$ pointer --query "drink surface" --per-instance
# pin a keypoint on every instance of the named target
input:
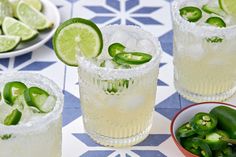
(117, 101)
(35, 131)
(204, 55)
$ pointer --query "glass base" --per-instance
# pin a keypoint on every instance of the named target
(195, 97)
(118, 142)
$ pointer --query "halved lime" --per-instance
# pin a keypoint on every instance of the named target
(11, 26)
(5, 10)
(32, 17)
(77, 35)
(37, 97)
(12, 90)
(8, 43)
(13, 118)
(229, 6)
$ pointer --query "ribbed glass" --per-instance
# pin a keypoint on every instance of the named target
(203, 70)
(39, 137)
(118, 104)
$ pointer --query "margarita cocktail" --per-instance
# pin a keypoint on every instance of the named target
(30, 117)
(204, 49)
(118, 99)
(118, 69)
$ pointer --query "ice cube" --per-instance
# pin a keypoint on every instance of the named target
(131, 45)
(120, 37)
(146, 46)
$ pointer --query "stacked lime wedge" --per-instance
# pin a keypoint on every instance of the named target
(32, 17)
(5, 10)
(8, 43)
(75, 36)
(13, 27)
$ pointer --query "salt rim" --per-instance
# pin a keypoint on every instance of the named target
(191, 27)
(109, 73)
(43, 82)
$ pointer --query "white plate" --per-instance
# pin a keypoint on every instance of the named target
(52, 13)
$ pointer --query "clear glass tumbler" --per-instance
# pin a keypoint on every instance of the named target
(124, 117)
(39, 137)
(203, 70)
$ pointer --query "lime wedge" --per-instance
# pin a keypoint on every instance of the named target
(13, 118)
(229, 6)
(77, 35)
(34, 3)
(13, 27)
(32, 17)
(8, 43)
(5, 10)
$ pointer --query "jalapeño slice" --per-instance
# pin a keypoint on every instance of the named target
(214, 139)
(132, 58)
(115, 48)
(197, 146)
(203, 123)
(185, 130)
(12, 90)
(216, 21)
(191, 13)
(13, 118)
(36, 97)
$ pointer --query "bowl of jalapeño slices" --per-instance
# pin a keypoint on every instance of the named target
(206, 130)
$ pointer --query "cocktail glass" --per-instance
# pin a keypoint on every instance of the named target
(117, 104)
(39, 137)
(204, 58)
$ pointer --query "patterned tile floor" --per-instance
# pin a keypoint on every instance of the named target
(151, 15)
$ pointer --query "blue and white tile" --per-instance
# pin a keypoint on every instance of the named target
(150, 15)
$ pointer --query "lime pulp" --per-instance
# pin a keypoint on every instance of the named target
(16, 28)
(75, 36)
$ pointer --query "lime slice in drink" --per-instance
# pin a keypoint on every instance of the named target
(77, 35)
(39, 98)
(5, 10)
(13, 27)
(32, 17)
(229, 6)
(13, 118)
(12, 90)
(8, 43)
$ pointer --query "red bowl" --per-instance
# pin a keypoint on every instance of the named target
(186, 114)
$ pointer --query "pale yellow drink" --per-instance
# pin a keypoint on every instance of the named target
(118, 104)
(204, 70)
(36, 135)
